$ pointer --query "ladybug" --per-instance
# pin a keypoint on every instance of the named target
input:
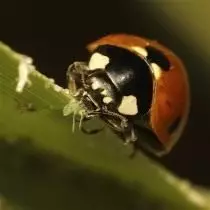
(137, 86)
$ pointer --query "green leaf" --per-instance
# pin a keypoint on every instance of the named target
(44, 165)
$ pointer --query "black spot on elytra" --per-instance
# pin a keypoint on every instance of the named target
(156, 56)
(174, 125)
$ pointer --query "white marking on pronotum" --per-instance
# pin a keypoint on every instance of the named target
(95, 85)
(128, 105)
(140, 50)
(24, 69)
(98, 61)
(107, 100)
(156, 70)
(104, 92)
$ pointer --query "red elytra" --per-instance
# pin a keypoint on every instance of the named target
(171, 97)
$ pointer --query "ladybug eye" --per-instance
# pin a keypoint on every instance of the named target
(156, 56)
(107, 100)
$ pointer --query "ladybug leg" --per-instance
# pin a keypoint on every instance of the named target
(108, 120)
(90, 131)
(83, 120)
(86, 130)
(130, 137)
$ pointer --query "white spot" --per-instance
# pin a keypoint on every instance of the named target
(156, 70)
(24, 69)
(104, 93)
(107, 100)
(95, 85)
(98, 61)
(140, 50)
(128, 105)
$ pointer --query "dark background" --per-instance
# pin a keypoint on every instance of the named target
(55, 34)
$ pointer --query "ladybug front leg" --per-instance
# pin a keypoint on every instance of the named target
(86, 130)
(129, 137)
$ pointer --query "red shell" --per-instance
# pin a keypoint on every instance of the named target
(171, 97)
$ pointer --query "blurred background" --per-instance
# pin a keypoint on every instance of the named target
(55, 34)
